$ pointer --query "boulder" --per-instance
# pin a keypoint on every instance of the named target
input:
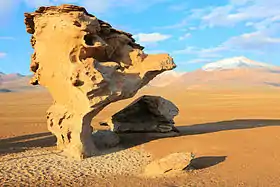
(146, 114)
(105, 139)
(172, 163)
(85, 64)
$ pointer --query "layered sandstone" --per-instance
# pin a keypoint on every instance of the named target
(86, 65)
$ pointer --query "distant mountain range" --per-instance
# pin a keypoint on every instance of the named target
(229, 73)
(15, 82)
(237, 72)
(236, 63)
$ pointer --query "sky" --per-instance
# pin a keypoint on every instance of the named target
(193, 32)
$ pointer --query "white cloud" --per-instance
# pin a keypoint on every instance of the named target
(185, 36)
(237, 11)
(151, 37)
(257, 42)
(218, 16)
(200, 60)
(264, 23)
(265, 41)
(262, 15)
(211, 52)
(181, 24)
(199, 12)
(2, 55)
(188, 50)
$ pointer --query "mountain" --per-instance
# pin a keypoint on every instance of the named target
(15, 82)
(165, 78)
(236, 63)
(10, 77)
(237, 72)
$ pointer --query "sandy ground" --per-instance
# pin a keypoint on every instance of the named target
(234, 135)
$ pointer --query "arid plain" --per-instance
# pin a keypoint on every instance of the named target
(234, 134)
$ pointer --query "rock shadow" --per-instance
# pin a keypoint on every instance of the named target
(206, 162)
(134, 139)
(26, 142)
(238, 124)
(128, 140)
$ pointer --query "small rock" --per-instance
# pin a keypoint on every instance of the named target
(172, 163)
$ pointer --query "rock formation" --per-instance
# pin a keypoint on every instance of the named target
(86, 65)
(146, 114)
(105, 139)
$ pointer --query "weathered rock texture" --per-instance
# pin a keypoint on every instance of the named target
(85, 64)
(172, 163)
(105, 139)
(146, 114)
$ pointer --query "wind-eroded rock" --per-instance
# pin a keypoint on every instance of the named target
(146, 114)
(85, 64)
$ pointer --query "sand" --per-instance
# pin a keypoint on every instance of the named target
(234, 135)
(49, 167)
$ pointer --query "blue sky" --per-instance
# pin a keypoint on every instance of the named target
(194, 32)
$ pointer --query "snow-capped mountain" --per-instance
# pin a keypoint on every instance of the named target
(236, 63)
(165, 78)
(237, 72)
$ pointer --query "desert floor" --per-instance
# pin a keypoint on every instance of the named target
(233, 133)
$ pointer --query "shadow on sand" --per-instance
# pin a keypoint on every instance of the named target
(206, 162)
(26, 142)
(133, 139)
(22, 143)
(227, 125)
